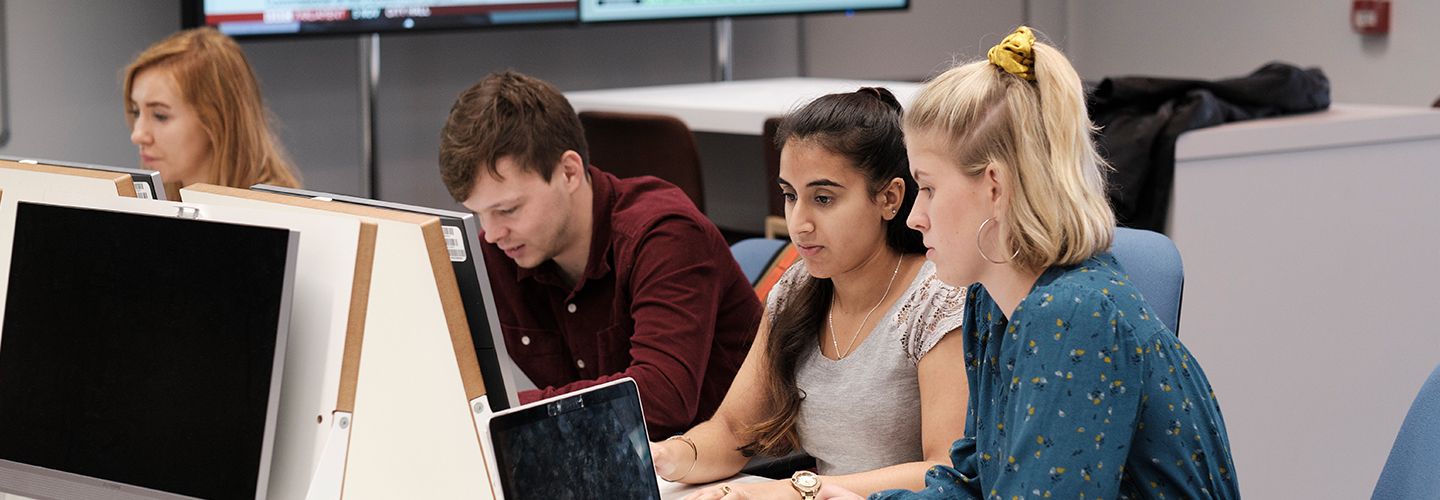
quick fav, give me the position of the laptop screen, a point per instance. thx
(590, 444)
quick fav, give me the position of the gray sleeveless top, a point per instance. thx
(863, 412)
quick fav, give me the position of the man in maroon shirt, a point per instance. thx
(595, 277)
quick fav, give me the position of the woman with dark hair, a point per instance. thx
(852, 363)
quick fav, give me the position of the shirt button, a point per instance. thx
(580, 363)
(525, 340)
(570, 308)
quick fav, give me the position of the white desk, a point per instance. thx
(1310, 265)
(729, 117)
(737, 107)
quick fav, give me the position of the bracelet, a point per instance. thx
(693, 450)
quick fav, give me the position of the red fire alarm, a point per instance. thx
(1370, 17)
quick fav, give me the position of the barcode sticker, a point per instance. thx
(142, 191)
(454, 243)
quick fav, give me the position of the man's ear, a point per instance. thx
(571, 170)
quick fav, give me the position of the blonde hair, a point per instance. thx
(214, 78)
(1037, 136)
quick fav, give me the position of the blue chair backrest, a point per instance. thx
(1410, 472)
(1155, 268)
(754, 254)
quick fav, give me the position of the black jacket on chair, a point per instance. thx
(1141, 117)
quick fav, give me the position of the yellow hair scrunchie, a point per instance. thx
(1016, 53)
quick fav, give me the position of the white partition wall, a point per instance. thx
(413, 435)
(1310, 265)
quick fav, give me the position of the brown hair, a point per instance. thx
(1037, 134)
(214, 78)
(864, 128)
(507, 114)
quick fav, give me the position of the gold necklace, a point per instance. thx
(831, 314)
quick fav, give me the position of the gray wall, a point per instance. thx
(312, 86)
(1220, 38)
(63, 60)
(905, 45)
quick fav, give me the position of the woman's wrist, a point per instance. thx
(694, 456)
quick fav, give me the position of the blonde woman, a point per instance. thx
(1076, 389)
(195, 112)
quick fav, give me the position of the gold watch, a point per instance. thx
(807, 483)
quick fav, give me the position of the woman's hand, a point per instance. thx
(725, 491)
(832, 492)
(780, 490)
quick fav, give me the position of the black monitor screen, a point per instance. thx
(244, 18)
(139, 349)
(587, 445)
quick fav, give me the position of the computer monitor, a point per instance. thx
(140, 355)
(503, 379)
(268, 18)
(148, 185)
(592, 11)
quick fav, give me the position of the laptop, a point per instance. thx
(586, 444)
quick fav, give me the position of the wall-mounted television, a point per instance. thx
(592, 11)
(266, 18)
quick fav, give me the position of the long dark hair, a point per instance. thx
(864, 127)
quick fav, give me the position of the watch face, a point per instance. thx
(806, 481)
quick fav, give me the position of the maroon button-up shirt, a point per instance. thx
(661, 300)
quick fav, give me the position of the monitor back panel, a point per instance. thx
(413, 434)
(503, 379)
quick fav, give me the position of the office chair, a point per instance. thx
(633, 144)
(755, 255)
(1410, 470)
(1155, 267)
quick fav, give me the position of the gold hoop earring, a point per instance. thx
(982, 250)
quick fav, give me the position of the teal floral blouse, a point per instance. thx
(1083, 393)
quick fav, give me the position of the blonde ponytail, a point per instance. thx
(1038, 136)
